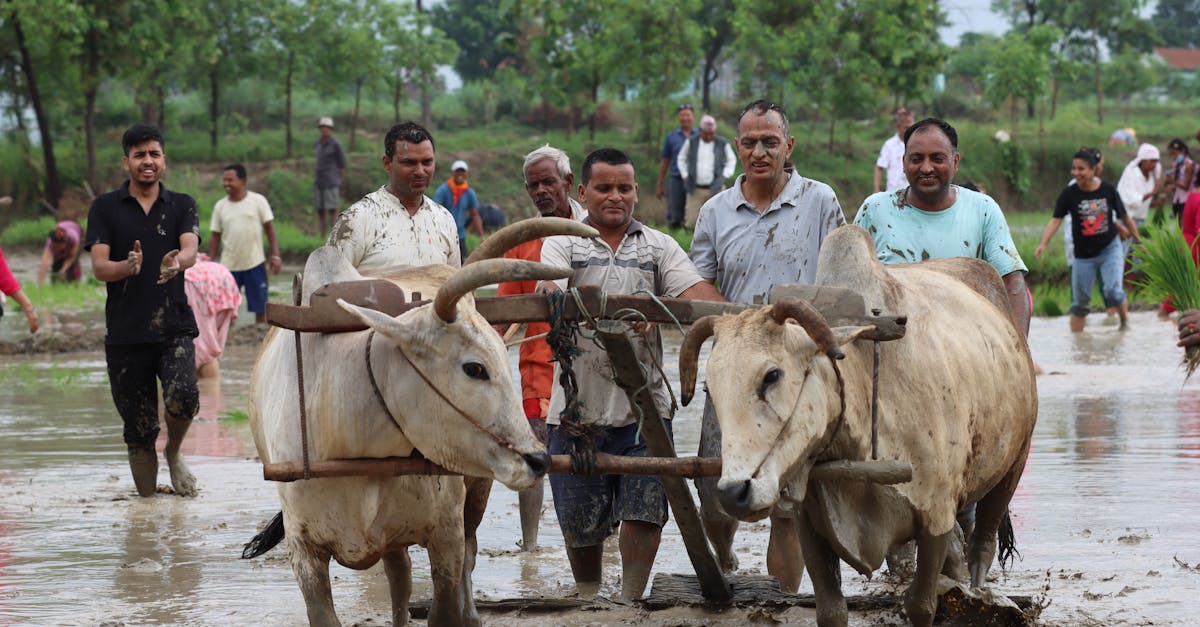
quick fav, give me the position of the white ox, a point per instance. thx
(436, 378)
(957, 399)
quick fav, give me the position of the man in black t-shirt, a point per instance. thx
(142, 237)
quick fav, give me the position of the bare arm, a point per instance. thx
(275, 262)
(1051, 229)
(1018, 299)
(1132, 226)
(44, 267)
(214, 245)
(659, 192)
(878, 173)
(27, 308)
(704, 290)
(107, 270)
(476, 222)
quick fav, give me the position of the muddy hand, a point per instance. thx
(135, 258)
(169, 267)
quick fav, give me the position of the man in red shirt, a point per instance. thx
(548, 180)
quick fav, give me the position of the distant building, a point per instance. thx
(1184, 62)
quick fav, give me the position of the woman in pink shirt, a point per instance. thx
(12, 289)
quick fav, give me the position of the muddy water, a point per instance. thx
(1106, 507)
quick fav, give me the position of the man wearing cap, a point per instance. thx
(331, 164)
(457, 196)
(891, 155)
(704, 162)
(670, 153)
(1138, 185)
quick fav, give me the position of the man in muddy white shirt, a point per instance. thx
(398, 224)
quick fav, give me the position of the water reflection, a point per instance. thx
(1095, 419)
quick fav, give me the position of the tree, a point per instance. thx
(483, 33)
(43, 29)
(1176, 23)
(1086, 23)
(1020, 67)
(716, 28)
(287, 41)
(1129, 73)
(226, 30)
(350, 48)
(416, 64)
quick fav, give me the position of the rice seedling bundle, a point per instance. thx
(1169, 271)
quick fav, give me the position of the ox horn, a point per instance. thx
(811, 321)
(518, 233)
(689, 356)
(488, 272)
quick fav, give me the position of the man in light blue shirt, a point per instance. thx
(932, 218)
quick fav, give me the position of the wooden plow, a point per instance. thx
(839, 306)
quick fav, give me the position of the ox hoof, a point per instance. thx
(182, 479)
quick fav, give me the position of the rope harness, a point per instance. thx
(580, 437)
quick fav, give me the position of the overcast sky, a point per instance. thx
(976, 16)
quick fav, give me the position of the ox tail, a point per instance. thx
(1007, 541)
(266, 539)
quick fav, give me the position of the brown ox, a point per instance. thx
(957, 399)
(435, 378)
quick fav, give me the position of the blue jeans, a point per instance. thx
(1110, 264)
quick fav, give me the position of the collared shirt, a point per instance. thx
(704, 162)
(974, 226)
(891, 158)
(748, 252)
(331, 160)
(378, 231)
(240, 224)
(646, 261)
(671, 145)
(138, 309)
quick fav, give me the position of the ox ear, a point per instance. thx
(377, 320)
(845, 335)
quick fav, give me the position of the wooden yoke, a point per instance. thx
(323, 315)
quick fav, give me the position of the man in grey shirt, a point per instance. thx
(331, 164)
(765, 230)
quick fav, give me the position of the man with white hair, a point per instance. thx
(457, 196)
(704, 162)
(548, 181)
(889, 167)
(1139, 183)
(331, 164)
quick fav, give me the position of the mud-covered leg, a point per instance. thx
(478, 491)
(920, 600)
(955, 566)
(398, 567)
(181, 402)
(719, 526)
(446, 559)
(785, 559)
(989, 513)
(825, 572)
(312, 574)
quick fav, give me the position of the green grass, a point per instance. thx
(86, 295)
(27, 374)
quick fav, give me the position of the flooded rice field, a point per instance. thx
(1105, 517)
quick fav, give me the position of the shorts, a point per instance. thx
(255, 282)
(590, 508)
(327, 199)
(134, 371)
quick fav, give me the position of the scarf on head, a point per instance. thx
(458, 190)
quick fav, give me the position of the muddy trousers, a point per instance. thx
(134, 372)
